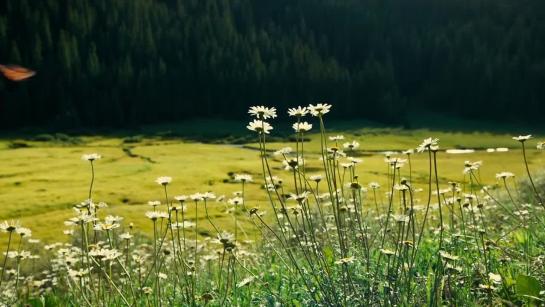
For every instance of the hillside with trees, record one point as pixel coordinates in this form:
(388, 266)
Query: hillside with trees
(128, 62)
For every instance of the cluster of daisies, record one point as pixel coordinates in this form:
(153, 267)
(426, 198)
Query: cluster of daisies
(109, 255)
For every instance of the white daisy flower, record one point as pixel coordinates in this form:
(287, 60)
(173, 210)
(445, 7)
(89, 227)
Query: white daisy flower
(429, 143)
(319, 109)
(259, 126)
(181, 198)
(298, 112)
(302, 127)
(197, 197)
(236, 201)
(283, 151)
(262, 112)
(163, 180)
(374, 185)
(316, 178)
(336, 137)
(243, 178)
(154, 215)
(91, 157)
(504, 175)
(522, 138)
(351, 145)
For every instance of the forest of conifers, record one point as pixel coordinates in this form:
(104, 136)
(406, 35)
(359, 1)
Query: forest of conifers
(129, 62)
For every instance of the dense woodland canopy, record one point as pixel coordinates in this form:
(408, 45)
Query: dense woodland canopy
(127, 62)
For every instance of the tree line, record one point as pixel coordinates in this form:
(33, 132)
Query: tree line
(130, 62)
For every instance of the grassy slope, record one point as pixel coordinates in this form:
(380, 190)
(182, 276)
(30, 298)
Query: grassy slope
(40, 184)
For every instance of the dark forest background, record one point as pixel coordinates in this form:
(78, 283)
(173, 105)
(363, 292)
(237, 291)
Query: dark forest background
(130, 62)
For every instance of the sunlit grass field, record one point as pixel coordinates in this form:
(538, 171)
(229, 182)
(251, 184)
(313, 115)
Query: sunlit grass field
(41, 181)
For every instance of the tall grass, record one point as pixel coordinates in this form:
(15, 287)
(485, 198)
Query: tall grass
(327, 237)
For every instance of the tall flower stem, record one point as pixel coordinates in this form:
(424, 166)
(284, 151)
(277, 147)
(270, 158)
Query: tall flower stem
(538, 197)
(5, 258)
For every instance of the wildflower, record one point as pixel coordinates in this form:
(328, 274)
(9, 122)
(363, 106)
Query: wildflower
(429, 143)
(351, 145)
(522, 138)
(316, 178)
(91, 157)
(275, 180)
(336, 137)
(243, 178)
(19, 255)
(354, 160)
(163, 180)
(208, 195)
(113, 219)
(196, 197)
(259, 126)
(9, 226)
(77, 273)
(283, 151)
(125, 236)
(472, 166)
(355, 186)
(162, 276)
(408, 152)
(299, 197)
(227, 239)
(346, 260)
(23, 231)
(262, 112)
(154, 215)
(81, 218)
(347, 165)
(504, 175)
(298, 112)
(104, 254)
(293, 163)
(335, 153)
(178, 207)
(395, 161)
(301, 127)
(180, 198)
(388, 154)
(106, 226)
(154, 203)
(236, 201)
(374, 185)
(495, 278)
(319, 109)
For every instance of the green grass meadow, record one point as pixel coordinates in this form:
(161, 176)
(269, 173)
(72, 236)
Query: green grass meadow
(41, 183)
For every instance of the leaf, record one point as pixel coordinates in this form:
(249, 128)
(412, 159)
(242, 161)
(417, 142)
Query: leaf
(528, 286)
(519, 236)
(328, 254)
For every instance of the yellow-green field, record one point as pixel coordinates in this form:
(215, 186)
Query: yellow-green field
(40, 183)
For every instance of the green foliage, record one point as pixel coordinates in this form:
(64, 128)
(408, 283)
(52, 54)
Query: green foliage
(118, 63)
(528, 286)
